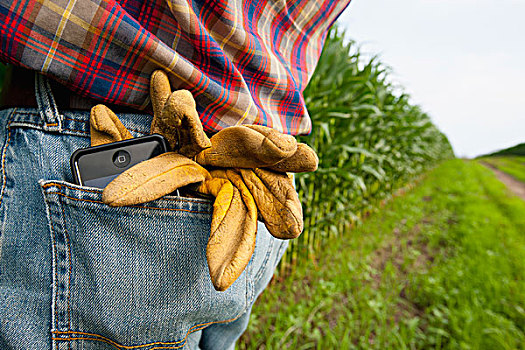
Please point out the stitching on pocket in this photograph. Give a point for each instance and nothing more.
(179, 343)
(68, 248)
(180, 199)
(132, 206)
(53, 262)
(61, 245)
(53, 184)
(70, 270)
(118, 347)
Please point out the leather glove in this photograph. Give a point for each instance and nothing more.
(233, 230)
(105, 127)
(257, 146)
(176, 117)
(246, 146)
(234, 220)
(241, 192)
(274, 194)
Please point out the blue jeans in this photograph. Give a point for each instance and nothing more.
(77, 274)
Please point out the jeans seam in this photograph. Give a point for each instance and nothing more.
(4, 155)
(40, 127)
(87, 122)
(249, 291)
(280, 253)
(259, 274)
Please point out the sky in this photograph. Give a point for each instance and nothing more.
(462, 61)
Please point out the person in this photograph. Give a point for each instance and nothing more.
(75, 273)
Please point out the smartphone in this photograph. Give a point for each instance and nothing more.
(97, 166)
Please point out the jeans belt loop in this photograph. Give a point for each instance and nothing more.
(47, 106)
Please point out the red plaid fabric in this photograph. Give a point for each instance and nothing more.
(245, 61)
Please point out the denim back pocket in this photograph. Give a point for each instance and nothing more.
(132, 277)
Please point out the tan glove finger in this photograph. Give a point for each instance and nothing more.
(160, 91)
(152, 179)
(247, 147)
(233, 231)
(175, 117)
(237, 181)
(277, 201)
(105, 127)
(303, 160)
(180, 122)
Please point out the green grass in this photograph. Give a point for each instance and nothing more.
(441, 267)
(512, 165)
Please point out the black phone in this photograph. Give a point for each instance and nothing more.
(97, 166)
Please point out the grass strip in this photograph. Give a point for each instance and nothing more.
(440, 268)
(512, 165)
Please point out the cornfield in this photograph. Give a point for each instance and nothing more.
(370, 141)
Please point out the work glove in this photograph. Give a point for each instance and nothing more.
(243, 190)
(176, 117)
(234, 221)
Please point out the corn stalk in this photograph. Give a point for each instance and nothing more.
(370, 141)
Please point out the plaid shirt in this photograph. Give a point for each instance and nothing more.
(245, 61)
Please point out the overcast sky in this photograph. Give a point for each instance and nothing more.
(463, 61)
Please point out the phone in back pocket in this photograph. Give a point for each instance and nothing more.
(97, 166)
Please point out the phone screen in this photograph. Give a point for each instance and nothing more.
(98, 166)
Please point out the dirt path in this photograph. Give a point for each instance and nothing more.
(516, 186)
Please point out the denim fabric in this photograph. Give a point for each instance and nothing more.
(77, 274)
